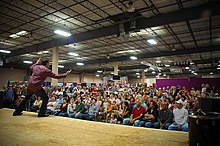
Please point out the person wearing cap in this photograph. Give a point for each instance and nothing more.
(180, 118)
(40, 72)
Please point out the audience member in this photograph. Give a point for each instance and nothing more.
(165, 117)
(180, 117)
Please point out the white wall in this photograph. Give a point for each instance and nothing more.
(91, 78)
(11, 74)
(148, 80)
(21, 75)
(69, 78)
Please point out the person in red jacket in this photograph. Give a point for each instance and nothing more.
(40, 73)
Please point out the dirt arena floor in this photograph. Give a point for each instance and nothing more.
(29, 130)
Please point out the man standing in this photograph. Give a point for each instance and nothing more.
(40, 73)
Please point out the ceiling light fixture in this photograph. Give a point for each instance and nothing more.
(167, 65)
(211, 73)
(191, 63)
(129, 51)
(5, 51)
(146, 70)
(80, 63)
(63, 33)
(73, 54)
(153, 72)
(187, 67)
(45, 52)
(39, 53)
(130, 7)
(108, 56)
(60, 66)
(152, 41)
(97, 75)
(60, 61)
(28, 62)
(164, 75)
(137, 73)
(158, 61)
(18, 34)
(138, 76)
(99, 71)
(218, 68)
(7, 43)
(133, 58)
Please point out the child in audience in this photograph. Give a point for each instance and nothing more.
(113, 119)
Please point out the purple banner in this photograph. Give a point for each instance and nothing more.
(173, 82)
(188, 82)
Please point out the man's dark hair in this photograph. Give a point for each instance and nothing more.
(94, 99)
(45, 62)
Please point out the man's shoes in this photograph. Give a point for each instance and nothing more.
(17, 114)
(45, 115)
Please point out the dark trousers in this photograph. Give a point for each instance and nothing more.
(40, 93)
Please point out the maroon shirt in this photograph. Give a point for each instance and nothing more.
(137, 112)
(40, 73)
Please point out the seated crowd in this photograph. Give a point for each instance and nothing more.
(164, 108)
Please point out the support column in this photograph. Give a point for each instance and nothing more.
(116, 69)
(142, 76)
(55, 65)
(81, 80)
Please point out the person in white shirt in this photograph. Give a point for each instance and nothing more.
(51, 106)
(180, 118)
(203, 88)
(71, 107)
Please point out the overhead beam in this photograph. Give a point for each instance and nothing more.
(157, 54)
(193, 13)
(112, 69)
(201, 70)
(147, 56)
(132, 69)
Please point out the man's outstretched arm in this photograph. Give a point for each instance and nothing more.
(37, 62)
(59, 76)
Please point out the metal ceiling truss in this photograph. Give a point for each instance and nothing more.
(157, 54)
(71, 13)
(141, 48)
(160, 19)
(119, 5)
(40, 13)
